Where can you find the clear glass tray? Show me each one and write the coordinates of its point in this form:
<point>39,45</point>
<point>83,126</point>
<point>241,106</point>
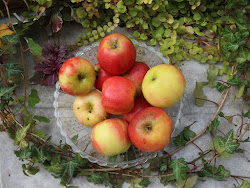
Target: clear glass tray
<point>70,127</point>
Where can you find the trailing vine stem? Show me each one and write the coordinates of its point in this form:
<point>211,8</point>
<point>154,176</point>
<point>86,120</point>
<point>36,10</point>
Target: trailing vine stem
<point>205,129</point>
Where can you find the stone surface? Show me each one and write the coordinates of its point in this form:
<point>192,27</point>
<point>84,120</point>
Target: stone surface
<point>11,175</point>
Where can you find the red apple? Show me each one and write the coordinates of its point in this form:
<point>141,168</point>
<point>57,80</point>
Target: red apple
<point>140,104</point>
<point>136,75</point>
<point>150,129</point>
<point>118,95</point>
<point>77,76</point>
<point>110,137</point>
<point>101,77</point>
<point>88,108</point>
<point>116,54</point>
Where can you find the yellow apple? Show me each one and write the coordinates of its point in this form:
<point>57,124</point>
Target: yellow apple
<point>110,137</point>
<point>88,108</point>
<point>163,85</point>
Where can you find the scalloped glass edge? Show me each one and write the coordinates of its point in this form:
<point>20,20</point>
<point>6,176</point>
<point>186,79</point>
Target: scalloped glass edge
<point>93,159</point>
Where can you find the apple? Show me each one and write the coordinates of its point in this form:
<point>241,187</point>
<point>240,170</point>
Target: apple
<point>150,129</point>
<point>116,54</point>
<point>77,76</point>
<point>88,108</point>
<point>101,77</point>
<point>140,104</point>
<point>118,95</point>
<point>110,137</point>
<point>163,85</point>
<point>136,75</point>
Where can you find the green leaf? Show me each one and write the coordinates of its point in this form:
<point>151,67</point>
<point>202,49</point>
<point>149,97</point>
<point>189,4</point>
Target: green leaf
<point>197,31</point>
<point>82,162</point>
<point>241,26</point>
<point>228,143</point>
<point>156,22</point>
<point>247,114</point>
<point>4,91</point>
<point>145,182</point>
<point>96,178</point>
<point>214,145</point>
<point>244,34</point>
<point>70,167</point>
<point>190,30</point>
<point>230,37</point>
<point>13,69</point>
<point>24,154</point>
<point>189,183</point>
<point>239,94</point>
<point>233,46</point>
<point>12,38</point>
<point>184,136</point>
<point>213,172</point>
<point>170,19</point>
<point>245,184</point>
<point>33,98</point>
<point>213,126</point>
<point>198,93</point>
<point>163,167</point>
<point>33,170</point>
<point>81,13</point>
<point>112,158</point>
<point>212,74</point>
<point>21,133</point>
<point>197,16</point>
<point>133,12</point>
<point>35,48</point>
<point>40,134</point>
<point>162,16</point>
<point>74,138</point>
<point>41,119</point>
<point>178,165</point>
<point>179,140</point>
<point>55,168</point>
<point>220,87</point>
<point>234,81</point>
<point>153,42</point>
<point>239,150</point>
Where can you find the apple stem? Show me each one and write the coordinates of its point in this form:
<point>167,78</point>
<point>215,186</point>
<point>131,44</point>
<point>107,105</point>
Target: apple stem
<point>81,76</point>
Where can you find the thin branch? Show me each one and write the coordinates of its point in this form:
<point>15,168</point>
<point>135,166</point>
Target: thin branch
<point>204,130</point>
<point>246,129</point>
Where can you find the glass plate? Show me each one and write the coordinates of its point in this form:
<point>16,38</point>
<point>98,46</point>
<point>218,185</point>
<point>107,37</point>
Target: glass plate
<point>70,127</point>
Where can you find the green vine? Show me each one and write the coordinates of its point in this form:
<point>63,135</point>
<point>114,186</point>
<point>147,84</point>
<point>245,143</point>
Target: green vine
<point>216,33</point>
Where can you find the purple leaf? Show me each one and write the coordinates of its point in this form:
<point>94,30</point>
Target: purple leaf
<point>56,22</point>
<point>51,80</point>
<point>40,67</point>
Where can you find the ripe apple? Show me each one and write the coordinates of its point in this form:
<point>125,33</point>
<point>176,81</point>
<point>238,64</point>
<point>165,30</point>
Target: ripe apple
<point>88,108</point>
<point>163,85</point>
<point>150,129</point>
<point>116,54</point>
<point>101,77</point>
<point>118,95</point>
<point>140,104</point>
<point>110,137</point>
<point>77,76</point>
<point>136,75</point>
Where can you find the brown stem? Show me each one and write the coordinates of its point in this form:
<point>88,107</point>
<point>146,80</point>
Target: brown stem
<point>204,130</point>
<point>246,129</point>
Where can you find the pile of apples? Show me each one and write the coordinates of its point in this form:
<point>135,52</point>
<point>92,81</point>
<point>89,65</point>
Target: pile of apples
<point>122,87</point>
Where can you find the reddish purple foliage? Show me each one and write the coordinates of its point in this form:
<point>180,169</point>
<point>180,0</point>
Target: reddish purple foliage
<point>54,57</point>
